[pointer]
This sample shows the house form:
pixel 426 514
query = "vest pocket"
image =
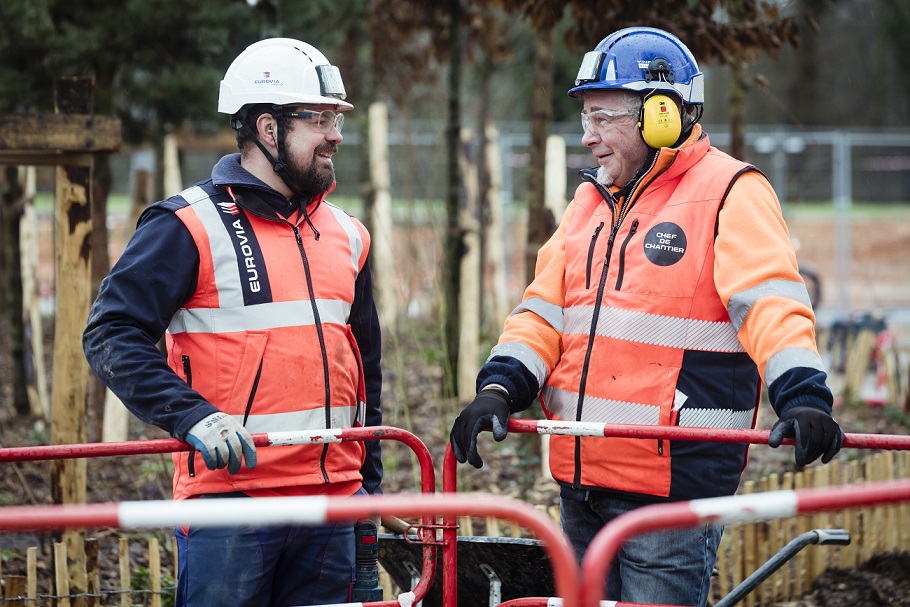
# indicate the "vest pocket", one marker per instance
pixel 248 373
pixel 591 248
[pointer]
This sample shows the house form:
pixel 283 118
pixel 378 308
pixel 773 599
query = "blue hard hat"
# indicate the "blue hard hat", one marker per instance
pixel 642 59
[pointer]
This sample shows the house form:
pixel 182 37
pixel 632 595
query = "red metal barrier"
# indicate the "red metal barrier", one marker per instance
pixel 756 437
pixel 712 435
pixel 427 530
pixel 723 510
pixel 305 510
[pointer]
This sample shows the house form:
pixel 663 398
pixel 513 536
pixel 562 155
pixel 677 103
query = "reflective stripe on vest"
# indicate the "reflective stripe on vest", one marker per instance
pixel 654 329
pixel 259 317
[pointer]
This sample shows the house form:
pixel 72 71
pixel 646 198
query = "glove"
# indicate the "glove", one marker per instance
pixel 222 441
pixel 816 433
pixel 489 408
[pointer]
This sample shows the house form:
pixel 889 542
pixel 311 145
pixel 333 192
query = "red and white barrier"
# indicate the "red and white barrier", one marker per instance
pixel 723 510
pixel 772 505
pixel 305 510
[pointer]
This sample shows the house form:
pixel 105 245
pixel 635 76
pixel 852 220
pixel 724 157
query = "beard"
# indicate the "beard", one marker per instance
pixel 603 177
pixel 310 178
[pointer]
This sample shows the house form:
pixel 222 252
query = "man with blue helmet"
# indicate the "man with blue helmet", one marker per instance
pixel 667 295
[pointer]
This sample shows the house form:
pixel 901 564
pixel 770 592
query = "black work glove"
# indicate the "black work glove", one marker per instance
pixel 816 433
pixel 490 408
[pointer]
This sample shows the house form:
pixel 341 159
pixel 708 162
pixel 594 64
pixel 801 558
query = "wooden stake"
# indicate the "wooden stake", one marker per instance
pixel 31 568
pixel 61 575
pixel 126 584
pixel 155 571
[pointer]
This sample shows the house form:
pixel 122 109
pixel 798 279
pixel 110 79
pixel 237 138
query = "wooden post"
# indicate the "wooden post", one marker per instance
pixel 72 229
pixel 499 303
pixel 774 540
pixel 93 572
pixel 469 295
pixel 801 565
pixel 382 255
pixel 31 572
pixel 787 527
pixel 155 571
pixel 126 584
pixel 749 548
pixel 555 179
pixel 36 375
pixel 173 179
pixel 61 576
pixel 15 587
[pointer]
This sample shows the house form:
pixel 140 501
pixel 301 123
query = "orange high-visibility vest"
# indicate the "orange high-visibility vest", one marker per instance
pixel 268 317
pixel 647 340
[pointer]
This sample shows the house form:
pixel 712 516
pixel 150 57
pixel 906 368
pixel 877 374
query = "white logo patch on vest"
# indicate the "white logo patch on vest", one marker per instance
pixel 665 244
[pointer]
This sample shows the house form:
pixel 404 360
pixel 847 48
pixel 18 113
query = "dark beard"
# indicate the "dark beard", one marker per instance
pixel 310 179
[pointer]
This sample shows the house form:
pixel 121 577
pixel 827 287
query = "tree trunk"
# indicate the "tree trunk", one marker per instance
pixel 12 201
pixel 540 221
pixel 101 188
pixel 451 275
pixel 739 89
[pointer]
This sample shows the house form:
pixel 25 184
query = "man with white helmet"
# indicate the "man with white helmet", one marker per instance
pixel 262 289
pixel 668 293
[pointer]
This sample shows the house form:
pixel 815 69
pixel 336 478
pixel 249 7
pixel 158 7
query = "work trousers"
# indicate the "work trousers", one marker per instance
pixel 667 567
pixel 276 566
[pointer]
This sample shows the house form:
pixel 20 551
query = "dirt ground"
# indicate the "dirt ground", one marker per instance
pixel 413 377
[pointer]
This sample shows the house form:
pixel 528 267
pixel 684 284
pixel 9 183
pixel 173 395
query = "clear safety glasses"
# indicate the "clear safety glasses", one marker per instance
pixel 321 121
pixel 599 120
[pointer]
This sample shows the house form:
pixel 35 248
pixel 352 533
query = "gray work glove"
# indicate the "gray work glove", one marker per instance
pixel 816 434
pixel 490 408
pixel 222 442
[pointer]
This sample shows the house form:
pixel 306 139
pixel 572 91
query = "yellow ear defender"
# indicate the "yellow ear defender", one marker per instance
pixel 659 121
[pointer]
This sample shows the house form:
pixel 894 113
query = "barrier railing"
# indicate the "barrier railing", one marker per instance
pixel 426 530
pixel 756 437
pixel 722 511
pixel 306 510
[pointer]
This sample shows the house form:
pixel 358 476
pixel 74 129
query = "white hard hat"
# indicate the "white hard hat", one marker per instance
pixel 281 71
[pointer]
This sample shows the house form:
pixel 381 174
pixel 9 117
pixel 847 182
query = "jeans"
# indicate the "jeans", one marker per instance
pixel 277 566
pixel 667 567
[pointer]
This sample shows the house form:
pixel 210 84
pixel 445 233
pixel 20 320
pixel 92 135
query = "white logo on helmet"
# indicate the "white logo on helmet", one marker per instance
pixel 267 79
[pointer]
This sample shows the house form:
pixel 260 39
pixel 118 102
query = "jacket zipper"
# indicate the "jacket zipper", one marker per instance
pixel 622 253
pixel 188 371
pixel 322 349
pixel 249 403
pixel 584 370
pixel 591 255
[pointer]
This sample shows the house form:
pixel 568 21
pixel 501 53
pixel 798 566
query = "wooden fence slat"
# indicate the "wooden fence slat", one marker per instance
pixel 31 572
pixel 15 587
pixel 748 547
pixel 774 541
pixel 821 475
pixel 851 518
pixel 61 575
pixel 800 571
pixel 93 573
pixel 786 530
pixel 155 571
pixel 125 581
pixel 723 567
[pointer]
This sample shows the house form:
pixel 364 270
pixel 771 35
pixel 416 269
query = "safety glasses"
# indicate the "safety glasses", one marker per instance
pixel 599 120
pixel 321 121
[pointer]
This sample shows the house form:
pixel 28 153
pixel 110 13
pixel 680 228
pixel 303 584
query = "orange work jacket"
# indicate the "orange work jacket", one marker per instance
pixel 265 338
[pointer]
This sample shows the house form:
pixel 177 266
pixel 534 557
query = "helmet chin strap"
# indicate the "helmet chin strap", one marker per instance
pixel 279 165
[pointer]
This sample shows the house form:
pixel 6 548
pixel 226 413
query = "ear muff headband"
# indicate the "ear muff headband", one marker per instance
pixel 659 121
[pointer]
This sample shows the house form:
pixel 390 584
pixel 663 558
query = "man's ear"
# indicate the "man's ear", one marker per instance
pixel 266 129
